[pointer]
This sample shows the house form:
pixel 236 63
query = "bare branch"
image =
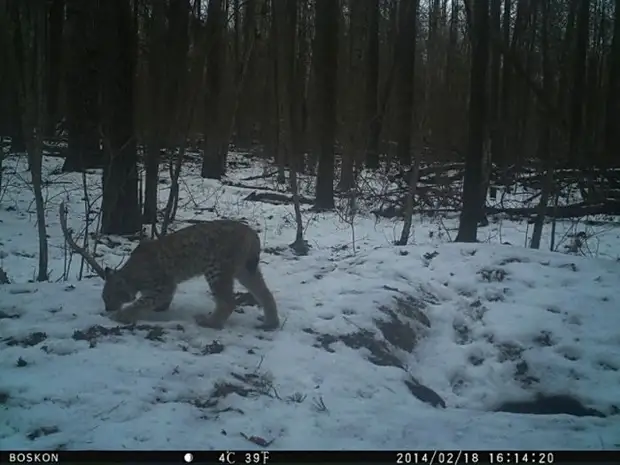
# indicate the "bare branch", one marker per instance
pixel 75 247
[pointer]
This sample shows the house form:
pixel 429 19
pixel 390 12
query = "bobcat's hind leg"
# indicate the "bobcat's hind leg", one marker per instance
pixel 254 282
pixel 222 288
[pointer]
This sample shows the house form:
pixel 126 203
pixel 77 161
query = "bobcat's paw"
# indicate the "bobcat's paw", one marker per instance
pixel 269 326
pixel 208 322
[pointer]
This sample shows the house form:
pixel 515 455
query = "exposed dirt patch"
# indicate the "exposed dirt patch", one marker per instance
pixel 379 352
pixel 424 393
pixel 247 385
pixel 545 339
pixel 216 347
pixel 406 323
pixel 509 351
pixel 509 260
pixel 492 275
pixel 462 333
pixel 95 333
pixel 29 341
pixel 42 431
pixel 550 405
pixel 5 315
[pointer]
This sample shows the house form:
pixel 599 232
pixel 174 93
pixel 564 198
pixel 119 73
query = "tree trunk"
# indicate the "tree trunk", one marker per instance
pixel 120 208
pixel 354 129
pixel 412 184
pixel 579 79
pixel 325 60
pixel 83 73
pixel 545 136
pixel 406 43
pixel 27 66
pixel 56 21
pixel 612 116
pixel 244 120
pixel 215 149
pixel 472 185
pixel 10 117
pixel 156 83
pixel 373 124
pixel 495 129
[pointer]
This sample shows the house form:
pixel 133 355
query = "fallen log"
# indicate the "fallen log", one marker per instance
pixel 275 199
pixel 577 210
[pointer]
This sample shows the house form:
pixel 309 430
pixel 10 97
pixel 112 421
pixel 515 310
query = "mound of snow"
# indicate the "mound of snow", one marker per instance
pixel 487 325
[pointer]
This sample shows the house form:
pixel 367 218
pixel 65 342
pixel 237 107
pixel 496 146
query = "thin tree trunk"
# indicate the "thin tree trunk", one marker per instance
pixel 414 175
pixel 354 105
pixel 545 137
pixel 156 79
pixel 372 87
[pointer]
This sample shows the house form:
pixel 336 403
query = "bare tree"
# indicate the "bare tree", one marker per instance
pixel 612 117
pixel 471 213
pixel 54 60
pixel 215 147
pixel 325 61
pixel 405 56
pixel 120 208
pixel 156 127
pixel 27 62
pixel 82 77
pixel 353 107
pixel 373 124
pixel 414 175
pixel 579 76
pixel 545 145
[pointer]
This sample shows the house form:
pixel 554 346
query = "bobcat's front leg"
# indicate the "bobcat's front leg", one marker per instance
pixel 134 311
pixel 154 301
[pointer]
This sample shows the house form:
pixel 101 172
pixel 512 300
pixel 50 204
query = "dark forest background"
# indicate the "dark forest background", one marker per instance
pixel 324 87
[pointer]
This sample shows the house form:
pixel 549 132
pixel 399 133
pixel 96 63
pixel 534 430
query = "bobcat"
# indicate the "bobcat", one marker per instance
pixel 220 250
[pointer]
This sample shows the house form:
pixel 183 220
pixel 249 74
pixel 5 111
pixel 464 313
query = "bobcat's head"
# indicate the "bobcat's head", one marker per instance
pixel 116 291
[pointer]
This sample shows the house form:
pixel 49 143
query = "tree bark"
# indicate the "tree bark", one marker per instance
pixel 215 149
pixel 406 43
pixel 120 207
pixel 156 83
pixel 83 74
pixel 579 80
pixel 545 137
pixel 56 21
pixel 472 185
pixel 612 116
pixel 354 105
pixel 373 123
pixel 325 60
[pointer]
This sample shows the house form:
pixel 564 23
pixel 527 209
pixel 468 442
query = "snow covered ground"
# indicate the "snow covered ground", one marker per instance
pixel 381 347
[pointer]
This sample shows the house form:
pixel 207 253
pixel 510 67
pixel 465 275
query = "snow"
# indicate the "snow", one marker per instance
pixel 478 325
